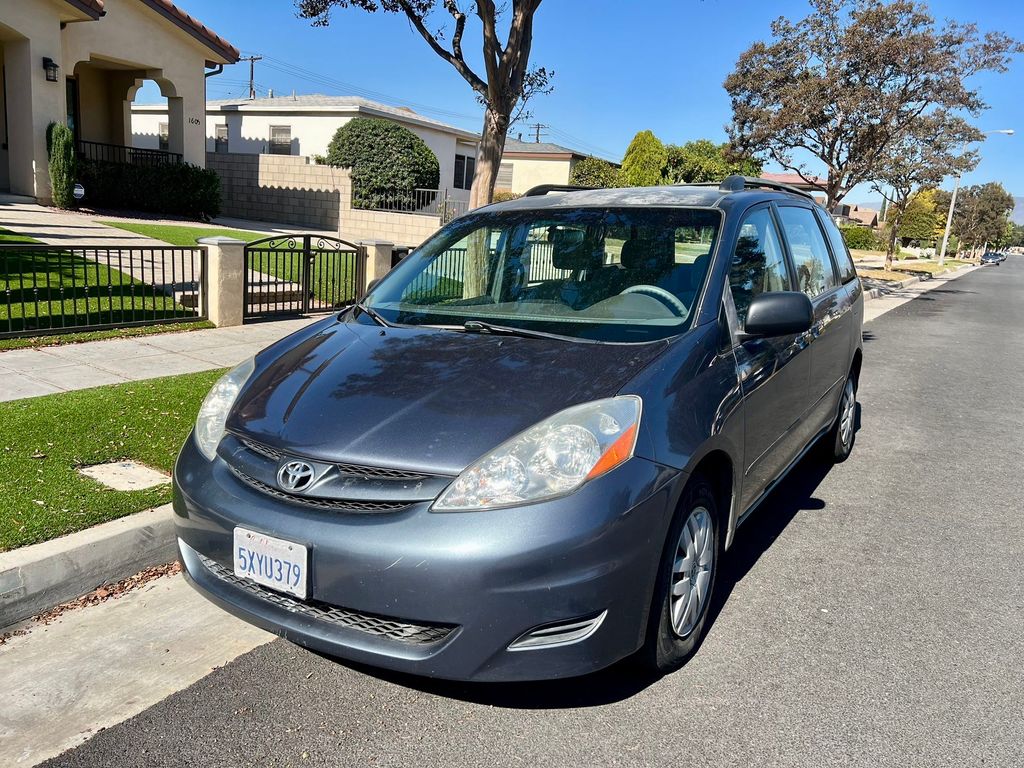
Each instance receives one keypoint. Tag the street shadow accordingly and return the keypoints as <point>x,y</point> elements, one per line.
<point>625,679</point>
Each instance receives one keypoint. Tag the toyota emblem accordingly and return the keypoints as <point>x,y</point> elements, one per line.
<point>295,476</point>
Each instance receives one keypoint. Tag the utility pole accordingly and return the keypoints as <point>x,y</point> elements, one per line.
<point>537,128</point>
<point>252,73</point>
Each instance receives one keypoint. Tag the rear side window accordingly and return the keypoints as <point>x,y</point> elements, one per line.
<point>758,264</point>
<point>843,259</point>
<point>814,272</point>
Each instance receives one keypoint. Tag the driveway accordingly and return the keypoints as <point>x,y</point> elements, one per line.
<point>872,614</point>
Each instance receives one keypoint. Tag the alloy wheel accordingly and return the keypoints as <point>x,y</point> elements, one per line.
<point>691,572</point>
<point>847,415</point>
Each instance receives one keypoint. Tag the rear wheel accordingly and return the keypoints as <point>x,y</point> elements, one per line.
<point>686,580</point>
<point>840,440</point>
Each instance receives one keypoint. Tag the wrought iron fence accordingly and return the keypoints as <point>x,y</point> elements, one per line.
<point>47,289</point>
<point>426,202</point>
<point>116,153</point>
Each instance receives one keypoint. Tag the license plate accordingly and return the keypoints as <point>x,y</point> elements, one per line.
<point>272,562</point>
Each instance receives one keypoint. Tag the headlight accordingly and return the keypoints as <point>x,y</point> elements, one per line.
<point>214,411</point>
<point>552,458</point>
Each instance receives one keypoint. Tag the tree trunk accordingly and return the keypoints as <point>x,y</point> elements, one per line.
<point>894,229</point>
<point>488,159</point>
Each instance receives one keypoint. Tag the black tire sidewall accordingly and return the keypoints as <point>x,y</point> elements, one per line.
<point>663,650</point>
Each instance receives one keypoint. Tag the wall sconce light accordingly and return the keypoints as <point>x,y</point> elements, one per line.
<point>51,69</point>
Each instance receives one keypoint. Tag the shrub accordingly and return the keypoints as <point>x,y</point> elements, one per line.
<point>387,162</point>
<point>181,189</point>
<point>61,147</point>
<point>644,161</point>
<point>503,195</point>
<point>859,238</point>
<point>594,172</point>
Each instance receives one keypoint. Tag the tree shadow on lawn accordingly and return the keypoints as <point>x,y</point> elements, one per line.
<point>627,678</point>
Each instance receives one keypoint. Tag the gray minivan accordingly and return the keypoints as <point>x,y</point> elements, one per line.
<point>525,452</point>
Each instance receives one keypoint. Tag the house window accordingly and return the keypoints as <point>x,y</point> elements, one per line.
<point>220,138</point>
<point>465,168</point>
<point>280,139</point>
<point>163,134</point>
<point>504,180</point>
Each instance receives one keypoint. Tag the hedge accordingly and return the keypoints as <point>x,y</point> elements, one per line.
<point>859,238</point>
<point>60,144</point>
<point>388,162</point>
<point>180,189</point>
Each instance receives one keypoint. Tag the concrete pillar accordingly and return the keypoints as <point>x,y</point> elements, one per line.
<point>378,259</point>
<point>176,125</point>
<point>225,280</point>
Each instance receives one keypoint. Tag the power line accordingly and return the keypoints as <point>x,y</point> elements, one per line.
<point>252,73</point>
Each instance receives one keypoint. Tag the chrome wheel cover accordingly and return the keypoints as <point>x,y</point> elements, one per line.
<point>847,414</point>
<point>691,572</point>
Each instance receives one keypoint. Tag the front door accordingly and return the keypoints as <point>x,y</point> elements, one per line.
<point>773,372</point>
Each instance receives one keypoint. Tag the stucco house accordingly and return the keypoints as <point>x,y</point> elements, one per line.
<point>82,62</point>
<point>305,124</point>
<point>526,164</point>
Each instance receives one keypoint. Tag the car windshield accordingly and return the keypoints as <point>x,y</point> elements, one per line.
<point>608,274</point>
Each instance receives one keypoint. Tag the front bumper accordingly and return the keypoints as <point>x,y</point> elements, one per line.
<point>473,581</point>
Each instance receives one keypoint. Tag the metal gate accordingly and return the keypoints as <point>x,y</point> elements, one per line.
<point>300,274</point>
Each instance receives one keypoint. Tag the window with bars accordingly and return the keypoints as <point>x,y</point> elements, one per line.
<point>220,138</point>
<point>280,139</point>
<point>465,168</point>
<point>163,135</point>
<point>504,180</point>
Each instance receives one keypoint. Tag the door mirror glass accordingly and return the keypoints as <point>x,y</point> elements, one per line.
<point>781,313</point>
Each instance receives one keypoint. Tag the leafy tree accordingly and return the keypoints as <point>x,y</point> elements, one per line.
<point>594,172</point>
<point>644,161</point>
<point>981,213</point>
<point>1015,237</point>
<point>921,219</point>
<point>507,83</point>
<point>842,85</point>
<point>703,160</point>
<point>62,165</point>
<point>387,161</point>
<point>928,151</point>
<point>858,238</point>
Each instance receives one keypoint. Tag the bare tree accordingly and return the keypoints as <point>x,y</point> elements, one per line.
<point>507,82</point>
<point>839,86</point>
<point>931,148</point>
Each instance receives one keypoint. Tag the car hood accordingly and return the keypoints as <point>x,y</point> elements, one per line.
<point>419,399</point>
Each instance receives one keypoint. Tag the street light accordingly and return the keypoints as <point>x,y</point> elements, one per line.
<point>952,200</point>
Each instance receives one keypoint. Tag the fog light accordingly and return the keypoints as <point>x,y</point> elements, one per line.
<point>562,633</point>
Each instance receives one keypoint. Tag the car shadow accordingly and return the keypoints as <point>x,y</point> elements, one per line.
<point>627,678</point>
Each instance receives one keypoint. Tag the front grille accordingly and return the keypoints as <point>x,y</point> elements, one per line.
<point>402,631</point>
<point>355,470</point>
<point>319,502</point>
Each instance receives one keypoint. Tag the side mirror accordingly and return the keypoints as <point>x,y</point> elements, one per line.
<point>780,313</point>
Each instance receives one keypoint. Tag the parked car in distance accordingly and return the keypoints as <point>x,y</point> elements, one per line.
<point>525,453</point>
<point>991,257</point>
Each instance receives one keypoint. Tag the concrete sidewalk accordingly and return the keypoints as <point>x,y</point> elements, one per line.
<point>43,371</point>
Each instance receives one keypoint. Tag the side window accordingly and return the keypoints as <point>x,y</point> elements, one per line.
<point>814,272</point>
<point>843,259</point>
<point>758,264</point>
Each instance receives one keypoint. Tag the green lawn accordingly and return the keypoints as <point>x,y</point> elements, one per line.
<point>8,237</point>
<point>56,339</point>
<point>44,439</point>
<point>331,282</point>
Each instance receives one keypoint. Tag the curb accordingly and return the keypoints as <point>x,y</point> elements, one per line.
<point>37,577</point>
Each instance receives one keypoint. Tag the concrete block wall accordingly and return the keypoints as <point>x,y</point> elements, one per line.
<point>403,229</point>
<point>283,189</point>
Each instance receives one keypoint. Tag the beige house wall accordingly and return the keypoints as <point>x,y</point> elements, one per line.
<point>111,57</point>
<point>529,172</point>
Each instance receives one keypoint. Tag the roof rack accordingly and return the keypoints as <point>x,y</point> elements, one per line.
<point>738,183</point>
<point>543,189</point>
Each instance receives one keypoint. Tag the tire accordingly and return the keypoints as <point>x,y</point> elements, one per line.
<point>840,439</point>
<point>665,647</point>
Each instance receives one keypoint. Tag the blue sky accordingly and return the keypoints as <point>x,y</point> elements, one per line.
<point>658,65</point>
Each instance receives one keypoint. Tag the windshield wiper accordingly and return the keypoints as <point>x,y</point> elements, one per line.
<point>373,314</point>
<point>479,326</point>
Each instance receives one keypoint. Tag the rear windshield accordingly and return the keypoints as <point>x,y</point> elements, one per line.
<point>612,274</point>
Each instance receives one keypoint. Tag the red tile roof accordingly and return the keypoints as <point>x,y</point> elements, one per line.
<point>173,13</point>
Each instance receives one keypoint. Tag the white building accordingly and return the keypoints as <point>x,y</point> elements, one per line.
<point>305,125</point>
<point>525,164</point>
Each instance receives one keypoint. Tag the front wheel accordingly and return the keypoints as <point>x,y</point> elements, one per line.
<point>686,580</point>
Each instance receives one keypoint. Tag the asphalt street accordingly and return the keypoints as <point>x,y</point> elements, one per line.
<point>871,613</point>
